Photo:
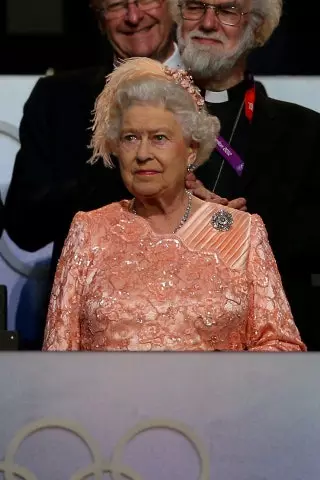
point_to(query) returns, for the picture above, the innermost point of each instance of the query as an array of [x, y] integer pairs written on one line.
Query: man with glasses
[[51, 179], [138, 28], [267, 152]]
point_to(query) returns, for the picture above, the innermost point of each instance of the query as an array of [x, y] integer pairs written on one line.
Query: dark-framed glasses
[[115, 9], [226, 14]]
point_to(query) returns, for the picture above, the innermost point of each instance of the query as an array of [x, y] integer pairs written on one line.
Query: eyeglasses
[[227, 15], [119, 9]]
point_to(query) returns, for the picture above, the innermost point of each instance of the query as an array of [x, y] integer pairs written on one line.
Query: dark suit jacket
[[51, 180]]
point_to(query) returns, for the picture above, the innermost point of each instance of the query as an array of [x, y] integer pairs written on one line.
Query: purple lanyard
[[227, 152], [223, 147]]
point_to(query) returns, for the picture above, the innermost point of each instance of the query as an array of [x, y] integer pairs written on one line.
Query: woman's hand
[[199, 190]]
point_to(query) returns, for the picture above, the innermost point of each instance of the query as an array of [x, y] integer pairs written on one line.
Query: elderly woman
[[165, 271]]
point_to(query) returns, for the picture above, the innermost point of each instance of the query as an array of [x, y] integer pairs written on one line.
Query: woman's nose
[[143, 153]]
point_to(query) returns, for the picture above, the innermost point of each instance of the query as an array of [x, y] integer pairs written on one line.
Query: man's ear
[[258, 32]]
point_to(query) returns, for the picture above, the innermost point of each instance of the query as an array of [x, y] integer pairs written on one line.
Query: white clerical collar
[[216, 97], [174, 61]]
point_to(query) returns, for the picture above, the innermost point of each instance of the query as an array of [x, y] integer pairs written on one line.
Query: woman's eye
[[160, 138], [129, 138]]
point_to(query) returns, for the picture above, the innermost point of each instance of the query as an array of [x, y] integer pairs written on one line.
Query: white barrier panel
[[159, 416], [301, 90], [21, 271], [24, 272]]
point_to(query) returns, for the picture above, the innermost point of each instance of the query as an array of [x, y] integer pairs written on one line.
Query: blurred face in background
[[141, 28], [212, 40]]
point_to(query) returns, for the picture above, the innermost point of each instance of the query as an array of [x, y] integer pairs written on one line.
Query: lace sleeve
[[270, 325], [62, 327]]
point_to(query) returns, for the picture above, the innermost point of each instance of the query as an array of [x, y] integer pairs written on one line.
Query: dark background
[[63, 34]]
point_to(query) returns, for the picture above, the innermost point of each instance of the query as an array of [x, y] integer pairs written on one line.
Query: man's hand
[[238, 204], [199, 190]]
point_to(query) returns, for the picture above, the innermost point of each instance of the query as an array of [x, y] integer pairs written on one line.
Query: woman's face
[[152, 151]]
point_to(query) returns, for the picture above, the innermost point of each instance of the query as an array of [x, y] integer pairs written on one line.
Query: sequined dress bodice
[[120, 286]]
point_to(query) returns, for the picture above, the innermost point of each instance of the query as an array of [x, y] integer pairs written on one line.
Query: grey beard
[[206, 62]]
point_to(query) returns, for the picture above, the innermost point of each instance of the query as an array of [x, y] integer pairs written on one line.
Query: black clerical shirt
[[229, 184]]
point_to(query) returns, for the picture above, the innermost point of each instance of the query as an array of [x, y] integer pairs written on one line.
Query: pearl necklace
[[185, 215]]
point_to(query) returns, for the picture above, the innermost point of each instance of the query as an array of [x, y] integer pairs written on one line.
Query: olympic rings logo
[[99, 465]]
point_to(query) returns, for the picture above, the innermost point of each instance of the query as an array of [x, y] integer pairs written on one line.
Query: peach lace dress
[[120, 286]]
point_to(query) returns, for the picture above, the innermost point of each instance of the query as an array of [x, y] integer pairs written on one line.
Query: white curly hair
[[197, 125], [270, 11]]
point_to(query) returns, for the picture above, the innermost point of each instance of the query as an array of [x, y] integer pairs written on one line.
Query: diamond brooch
[[222, 221]]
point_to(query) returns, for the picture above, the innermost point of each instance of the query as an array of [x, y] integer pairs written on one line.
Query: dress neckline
[[125, 205]]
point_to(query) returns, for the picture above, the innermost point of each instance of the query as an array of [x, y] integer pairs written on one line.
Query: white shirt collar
[[216, 97], [174, 61]]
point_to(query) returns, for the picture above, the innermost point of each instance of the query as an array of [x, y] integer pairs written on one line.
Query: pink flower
[[181, 77]]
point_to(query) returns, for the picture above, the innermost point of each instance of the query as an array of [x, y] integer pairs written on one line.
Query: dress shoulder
[[214, 229], [103, 218]]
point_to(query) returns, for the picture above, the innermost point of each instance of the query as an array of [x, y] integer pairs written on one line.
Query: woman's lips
[[146, 172]]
